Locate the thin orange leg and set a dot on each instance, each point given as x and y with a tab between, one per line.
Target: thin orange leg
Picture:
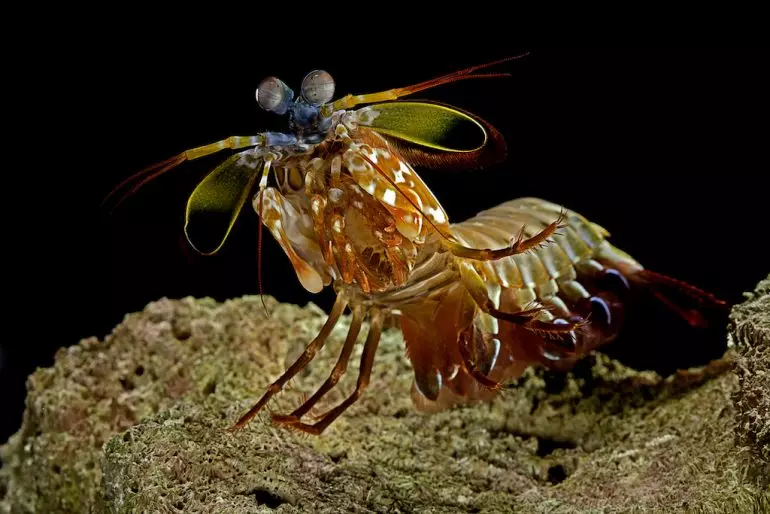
478	290
365	371
299	364
339	368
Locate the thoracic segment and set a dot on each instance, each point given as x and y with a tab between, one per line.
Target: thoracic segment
366	227
368	211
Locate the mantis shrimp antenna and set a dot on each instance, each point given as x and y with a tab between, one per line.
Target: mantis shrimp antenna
262	185
259	259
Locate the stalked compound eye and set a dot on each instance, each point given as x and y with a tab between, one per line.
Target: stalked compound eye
317	87
274	96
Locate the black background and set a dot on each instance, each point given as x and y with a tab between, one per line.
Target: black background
666	148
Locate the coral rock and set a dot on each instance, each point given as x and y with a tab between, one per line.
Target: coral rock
138	423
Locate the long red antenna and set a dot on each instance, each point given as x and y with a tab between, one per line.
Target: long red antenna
141	178
455	76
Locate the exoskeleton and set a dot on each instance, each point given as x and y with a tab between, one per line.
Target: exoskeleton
526	282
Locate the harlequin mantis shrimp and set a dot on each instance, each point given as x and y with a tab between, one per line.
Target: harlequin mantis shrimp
477	302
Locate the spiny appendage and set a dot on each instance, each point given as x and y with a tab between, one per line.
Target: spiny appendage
560	332
542	238
563	343
518	245
528	318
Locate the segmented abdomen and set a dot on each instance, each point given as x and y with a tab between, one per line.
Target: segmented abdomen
552	273
577	275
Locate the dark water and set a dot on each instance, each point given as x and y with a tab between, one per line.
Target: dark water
665	148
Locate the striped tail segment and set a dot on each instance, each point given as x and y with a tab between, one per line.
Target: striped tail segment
577	275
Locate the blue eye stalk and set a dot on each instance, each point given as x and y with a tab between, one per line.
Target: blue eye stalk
308	120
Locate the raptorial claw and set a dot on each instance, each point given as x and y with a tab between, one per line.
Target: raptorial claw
470	367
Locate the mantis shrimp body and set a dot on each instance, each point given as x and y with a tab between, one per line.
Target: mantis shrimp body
526	282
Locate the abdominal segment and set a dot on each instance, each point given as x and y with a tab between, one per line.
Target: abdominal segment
575	277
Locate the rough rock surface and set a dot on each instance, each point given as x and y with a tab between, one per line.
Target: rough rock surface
137	423
750	332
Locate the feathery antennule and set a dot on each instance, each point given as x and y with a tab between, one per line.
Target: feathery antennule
143	177
455	76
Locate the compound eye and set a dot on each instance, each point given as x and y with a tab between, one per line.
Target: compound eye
317	87
274	96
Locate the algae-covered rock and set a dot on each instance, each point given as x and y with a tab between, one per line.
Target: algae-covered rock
173	350
751	334
138	423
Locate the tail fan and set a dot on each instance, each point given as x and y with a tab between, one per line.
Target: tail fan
691	303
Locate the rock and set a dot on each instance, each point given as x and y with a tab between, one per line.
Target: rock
750	332
138	423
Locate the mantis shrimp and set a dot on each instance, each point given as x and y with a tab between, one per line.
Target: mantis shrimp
525	283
